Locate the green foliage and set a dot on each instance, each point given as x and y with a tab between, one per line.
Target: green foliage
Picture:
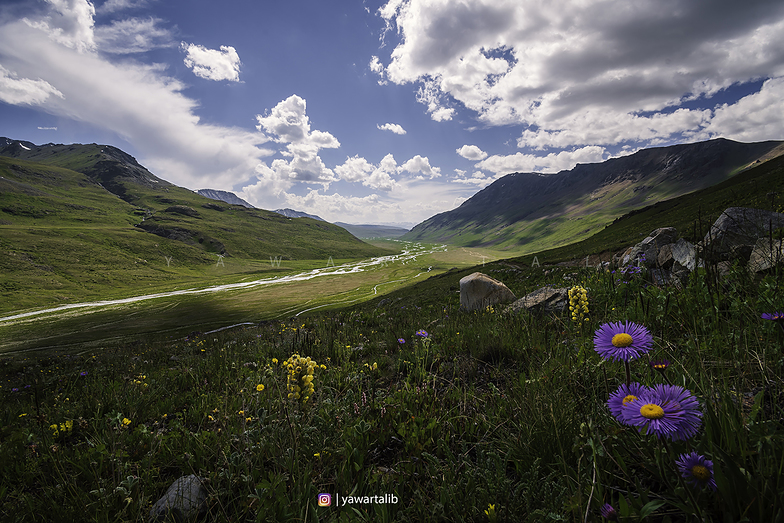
490	408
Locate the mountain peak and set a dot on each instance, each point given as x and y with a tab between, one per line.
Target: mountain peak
224	196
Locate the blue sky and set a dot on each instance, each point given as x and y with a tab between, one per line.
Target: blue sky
385	111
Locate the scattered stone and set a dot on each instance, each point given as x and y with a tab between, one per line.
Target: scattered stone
544	299
186	499
765	255
479	291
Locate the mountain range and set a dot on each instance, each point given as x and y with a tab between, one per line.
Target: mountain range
543	211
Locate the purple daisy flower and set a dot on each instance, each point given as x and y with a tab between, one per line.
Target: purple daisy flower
401	341
608	512
774	316
625	394
622	341
422	333
665	410
697	470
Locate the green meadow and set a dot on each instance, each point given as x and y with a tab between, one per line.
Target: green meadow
490	416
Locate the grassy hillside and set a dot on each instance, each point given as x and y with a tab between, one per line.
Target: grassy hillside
692	214
64	236
538	212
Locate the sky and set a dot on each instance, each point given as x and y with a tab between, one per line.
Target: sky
387	112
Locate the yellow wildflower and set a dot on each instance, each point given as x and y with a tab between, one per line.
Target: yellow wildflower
259	387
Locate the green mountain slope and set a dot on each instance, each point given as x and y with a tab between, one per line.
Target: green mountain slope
80	221
761	186
539	211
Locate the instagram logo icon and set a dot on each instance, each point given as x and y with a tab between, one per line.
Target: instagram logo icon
324	500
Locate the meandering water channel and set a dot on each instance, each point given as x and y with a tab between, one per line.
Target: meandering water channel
409	253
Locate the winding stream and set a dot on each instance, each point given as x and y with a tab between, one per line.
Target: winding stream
408	254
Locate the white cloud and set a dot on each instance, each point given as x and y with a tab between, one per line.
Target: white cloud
133	35
358	169
24	91
553	162
477	179
395	128
128	99
68	22
430	95
288	123
578	73
213	64
755	117
111	6
472	152
420	164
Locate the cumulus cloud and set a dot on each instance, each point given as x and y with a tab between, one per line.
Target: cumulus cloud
133	35
472	152
569	72
213	64
288	123
379	177
420	165
24	91
553	162
395	128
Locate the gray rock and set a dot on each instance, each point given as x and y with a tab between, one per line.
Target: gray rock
544	299
479	291
765	255
735	232
647	251
185	499
664	258
684	255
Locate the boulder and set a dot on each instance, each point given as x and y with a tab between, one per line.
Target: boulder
544	299
647	251
765	255
479	291
734	234
185	500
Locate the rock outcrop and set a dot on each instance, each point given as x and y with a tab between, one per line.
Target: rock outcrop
739	234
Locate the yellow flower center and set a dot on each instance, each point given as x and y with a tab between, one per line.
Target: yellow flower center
700	472
629	399
622	340
652	411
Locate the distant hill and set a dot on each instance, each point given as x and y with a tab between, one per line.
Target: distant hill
291	213
76	220
543	211
224	196
373	231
